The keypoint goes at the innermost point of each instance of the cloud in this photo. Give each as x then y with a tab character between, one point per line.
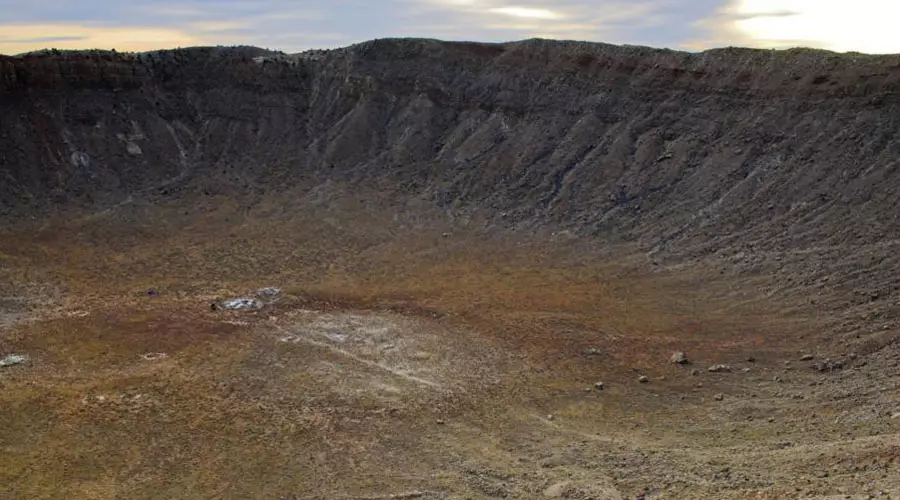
294	26
839	25
19	38
527	12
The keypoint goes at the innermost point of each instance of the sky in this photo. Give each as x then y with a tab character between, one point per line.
293	26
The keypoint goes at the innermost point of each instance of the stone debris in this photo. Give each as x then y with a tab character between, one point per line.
695	372
238	304
719	369
806	357
719	397
154	356
598	386
829	365
268	292
643	379
13	359
678	358
593	351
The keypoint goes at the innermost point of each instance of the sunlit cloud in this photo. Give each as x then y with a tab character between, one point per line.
16	39
289	25
839	25
860	25
527	12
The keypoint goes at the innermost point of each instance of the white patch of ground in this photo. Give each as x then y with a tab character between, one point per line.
383	354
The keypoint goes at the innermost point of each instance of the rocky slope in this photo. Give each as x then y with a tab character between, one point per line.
754	156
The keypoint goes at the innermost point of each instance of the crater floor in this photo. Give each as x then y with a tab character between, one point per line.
397	362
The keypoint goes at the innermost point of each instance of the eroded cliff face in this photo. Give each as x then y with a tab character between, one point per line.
730	148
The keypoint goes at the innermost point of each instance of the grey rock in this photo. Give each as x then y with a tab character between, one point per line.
643	379
678	358
268	292
829	365
719	369
719	397
238	304
806	357
13	359
598	386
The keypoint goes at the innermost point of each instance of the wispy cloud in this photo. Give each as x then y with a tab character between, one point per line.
527	12
289	25
860	25
23	38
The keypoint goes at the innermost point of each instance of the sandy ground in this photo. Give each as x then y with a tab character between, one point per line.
416	364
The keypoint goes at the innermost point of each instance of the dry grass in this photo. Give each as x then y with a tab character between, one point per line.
500	327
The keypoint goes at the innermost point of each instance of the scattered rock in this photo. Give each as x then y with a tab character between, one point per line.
745	370
151	292
776	379
557	490
593	351
598	386
806	357
829	365
268	292
13	359
695	372
643	379
896	416
441	422
238	304
771	420
80	159
154	356
751	359
550	417
574	490
678	358
719	397
719	369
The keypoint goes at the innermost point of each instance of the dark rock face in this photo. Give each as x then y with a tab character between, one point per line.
734	148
